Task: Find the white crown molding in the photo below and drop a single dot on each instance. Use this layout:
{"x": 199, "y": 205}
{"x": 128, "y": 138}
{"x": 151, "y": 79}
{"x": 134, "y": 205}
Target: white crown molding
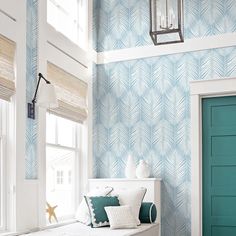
{"x": 190, "y": 45}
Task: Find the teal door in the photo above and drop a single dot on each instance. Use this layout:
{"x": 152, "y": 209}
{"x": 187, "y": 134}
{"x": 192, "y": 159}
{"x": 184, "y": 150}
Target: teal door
{"x": 219, "y": 166}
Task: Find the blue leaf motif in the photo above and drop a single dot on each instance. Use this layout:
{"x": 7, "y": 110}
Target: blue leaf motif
{"x": 109, "y": 106}
{"x": 130, "y": 109}
{"x": 140, "y": 139}
{"x": 119, "y": 139}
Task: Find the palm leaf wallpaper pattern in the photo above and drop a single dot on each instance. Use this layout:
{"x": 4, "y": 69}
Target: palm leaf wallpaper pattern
{"x": 31, "y": 162}
{"x": 122, "y": 24}
{"x": 143, "y": 108}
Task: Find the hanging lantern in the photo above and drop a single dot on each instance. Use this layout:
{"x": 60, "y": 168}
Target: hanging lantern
{"x": 166, "y": 21}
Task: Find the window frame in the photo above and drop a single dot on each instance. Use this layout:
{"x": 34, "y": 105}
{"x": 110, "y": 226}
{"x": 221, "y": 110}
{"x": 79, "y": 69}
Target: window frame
{"x": 4, "y": 179}
{"x": 3, "y": 204}
{"x": 57, "y": 40}
{"x": 84, "y": 36}
{"x": 79, "y": 63}
{"x": 60, "y": 177}
{"x": 77, "y": 149}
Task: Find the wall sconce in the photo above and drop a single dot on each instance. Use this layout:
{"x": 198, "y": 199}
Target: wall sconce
{"x": 47, "y": 97}
{"x": 166, "y": 21}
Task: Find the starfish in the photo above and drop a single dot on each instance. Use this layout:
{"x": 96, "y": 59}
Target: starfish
{"x": 51, "y": 212}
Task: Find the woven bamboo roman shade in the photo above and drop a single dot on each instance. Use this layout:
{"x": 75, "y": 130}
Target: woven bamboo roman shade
{"x": 71, "y": 94}
{"x": 7, "y": 75}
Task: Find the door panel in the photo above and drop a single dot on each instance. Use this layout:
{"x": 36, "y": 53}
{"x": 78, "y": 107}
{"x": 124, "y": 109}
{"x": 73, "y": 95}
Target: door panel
{"x": 223, "y": 145}
{"x": 223, "y": 115}
{"x": 219, "y": 166}
{"x": 221, "y": 206}
{"x": 223, "y": 231}
{"x": 224, "y": 176}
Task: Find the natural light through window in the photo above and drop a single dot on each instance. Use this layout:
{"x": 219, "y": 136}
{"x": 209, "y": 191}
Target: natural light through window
{"x": 62, "y": 162}
{"x": 69, "y": 18}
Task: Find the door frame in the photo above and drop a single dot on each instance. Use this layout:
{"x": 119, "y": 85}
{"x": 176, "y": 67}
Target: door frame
{"x": 198, "y": 91}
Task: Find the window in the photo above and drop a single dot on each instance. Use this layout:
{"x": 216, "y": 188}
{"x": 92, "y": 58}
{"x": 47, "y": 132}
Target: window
{"x": 69, "y": 18}
{"x": 59, "y": 177}
{"x": 3, "y": 159}
{"x": 7, "y": 90}
{"x": 62, "y": 164}
{"x": 69, "y": 177}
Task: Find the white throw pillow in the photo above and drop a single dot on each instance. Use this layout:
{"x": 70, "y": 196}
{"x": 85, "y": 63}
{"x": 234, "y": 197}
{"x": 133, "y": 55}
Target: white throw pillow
{"x": 82, "y": 214}
{"x": 121, "y": 217}
{"x": 132, "y": 198}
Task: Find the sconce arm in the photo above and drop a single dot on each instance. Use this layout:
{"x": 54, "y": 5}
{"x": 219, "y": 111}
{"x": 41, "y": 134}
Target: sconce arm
{"x": 36, "y": 91}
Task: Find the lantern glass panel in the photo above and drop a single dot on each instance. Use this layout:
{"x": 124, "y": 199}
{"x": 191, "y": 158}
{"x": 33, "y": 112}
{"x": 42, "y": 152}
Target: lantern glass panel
{"x": 166, "y": 24}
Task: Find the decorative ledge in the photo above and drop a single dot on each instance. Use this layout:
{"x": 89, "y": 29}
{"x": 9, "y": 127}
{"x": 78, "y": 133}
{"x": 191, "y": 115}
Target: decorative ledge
{"x": 190, "y": 45}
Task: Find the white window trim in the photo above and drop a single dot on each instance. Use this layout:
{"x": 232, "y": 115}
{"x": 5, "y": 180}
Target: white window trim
{"x": 58, "y": 40}
{"x": 59, "y": 50}
{"x": 12, "y": 26}
{"x": 78, "y": 160}
{"x": 4, "y": 202}
{"x": 4, "y": 167}
{"x": 199, "y": 90}
{"x": 48, "y": 53}
{"x": 66, "y": 39}
{"x": 10, "y": 9}
{"x": 3, "y": 184}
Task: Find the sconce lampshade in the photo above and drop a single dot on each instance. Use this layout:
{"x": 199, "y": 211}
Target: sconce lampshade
{"x": 47, "y": 96}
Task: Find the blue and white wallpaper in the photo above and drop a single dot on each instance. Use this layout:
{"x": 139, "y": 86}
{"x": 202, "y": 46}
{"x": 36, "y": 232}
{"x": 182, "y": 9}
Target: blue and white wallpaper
{"x": 31, "y": 162}
{"x": 122, "y": 24}
{"x": 142, "y": 106}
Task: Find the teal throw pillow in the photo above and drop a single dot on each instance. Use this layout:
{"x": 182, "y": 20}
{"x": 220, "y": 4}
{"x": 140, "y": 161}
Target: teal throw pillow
{"x": 97, "y": 211}
{"x": 148, "y": 212}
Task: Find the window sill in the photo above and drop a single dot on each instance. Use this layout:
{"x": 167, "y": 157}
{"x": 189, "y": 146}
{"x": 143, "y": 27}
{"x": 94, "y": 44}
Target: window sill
{"x": 56, "y": 225}
{"x": 8, "y": 233}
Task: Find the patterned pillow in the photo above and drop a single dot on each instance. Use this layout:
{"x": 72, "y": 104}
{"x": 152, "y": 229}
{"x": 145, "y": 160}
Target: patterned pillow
{"x": 121, "y": 217}
{"x": 97, "y": 211}
{"x": 82, "y": 213}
